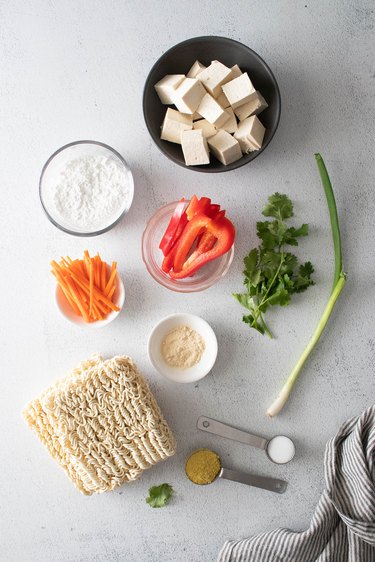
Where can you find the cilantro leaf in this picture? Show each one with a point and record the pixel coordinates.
(244, 299)
(296, 232)
(275, 234)
(272, 274)
(249, 319)
(272, 233)
(289, 263)
(159, 496)
(303, 279)
(270, 262)
(278, 206)
(252, 273)
(281, 297)
(306, 269)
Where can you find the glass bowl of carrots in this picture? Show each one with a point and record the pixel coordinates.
(89, 291)
(202, 279)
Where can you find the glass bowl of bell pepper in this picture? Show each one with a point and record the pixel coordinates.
(187, 246)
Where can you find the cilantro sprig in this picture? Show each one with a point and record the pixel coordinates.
(272, 274)
(159, 496)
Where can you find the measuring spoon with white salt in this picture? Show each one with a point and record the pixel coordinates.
(280, 449)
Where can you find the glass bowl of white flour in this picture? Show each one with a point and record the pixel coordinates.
(85, 188)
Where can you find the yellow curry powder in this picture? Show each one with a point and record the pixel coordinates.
(203, 466)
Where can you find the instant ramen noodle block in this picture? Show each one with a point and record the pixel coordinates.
(101, 424)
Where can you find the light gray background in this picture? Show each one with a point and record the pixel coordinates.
(75, 69)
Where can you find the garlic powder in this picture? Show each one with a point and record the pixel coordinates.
(182, 347)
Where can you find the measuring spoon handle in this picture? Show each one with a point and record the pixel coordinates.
(264, 482)
(224, 430)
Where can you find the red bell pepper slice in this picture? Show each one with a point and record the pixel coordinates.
(214, 213)
(192, 206)
(167, 263)
(180, 228)
(204, 205)
(191, 231)
(168, 260)
(212, 210)
(197, 206)
(206, 242)
(222, 229)
(219, 215)
(178, 219)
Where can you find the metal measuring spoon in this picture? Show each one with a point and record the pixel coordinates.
(266, 483)
(280, 449)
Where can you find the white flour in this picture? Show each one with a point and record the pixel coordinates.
(92, 192)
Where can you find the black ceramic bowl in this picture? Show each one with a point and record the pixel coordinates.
(179, 59)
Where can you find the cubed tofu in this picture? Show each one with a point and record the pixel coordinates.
(239, 90)
(207, 128)
(250, 134)
(173, 125)
(236, 71)
(224, 147)
(214, 76)
(254, 106)
(188, 95)
(223, 100)
(212, 111)
(195, 69)
(230, 124)
(166, 87)
(195, 148)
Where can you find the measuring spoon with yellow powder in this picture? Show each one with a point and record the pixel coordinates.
(204, 466)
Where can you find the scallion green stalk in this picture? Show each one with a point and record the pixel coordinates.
(338, 285)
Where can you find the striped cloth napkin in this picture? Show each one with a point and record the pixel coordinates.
(343, 525)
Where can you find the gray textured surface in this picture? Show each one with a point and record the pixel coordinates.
(74, 70)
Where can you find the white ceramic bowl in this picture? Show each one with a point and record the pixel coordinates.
(68, 313)
(199, 370)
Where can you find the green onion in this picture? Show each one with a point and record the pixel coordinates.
(338, 285)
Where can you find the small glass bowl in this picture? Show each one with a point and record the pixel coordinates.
(55, 165)
(205, 277)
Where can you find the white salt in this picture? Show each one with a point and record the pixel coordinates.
(281, 449)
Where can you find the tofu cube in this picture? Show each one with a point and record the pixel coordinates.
(195, 148)
(239, 90)
(207, 128)
(166, 87)
(254, 106)
(214, 76)
(173, 125)
(188, 95)
(223, 100)
(212, 111)
(195, 69)
(196, 116)
(236, 71)
(230, 124)
(250, 134)
(225, 147)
